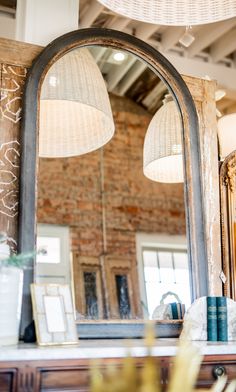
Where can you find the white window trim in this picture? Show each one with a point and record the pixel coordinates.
(147, 240)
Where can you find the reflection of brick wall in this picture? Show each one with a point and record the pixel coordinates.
(70, 193)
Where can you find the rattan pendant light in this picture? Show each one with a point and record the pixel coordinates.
(174, 12)
(75, 112)
(162, 152)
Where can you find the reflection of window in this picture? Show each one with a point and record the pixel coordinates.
(165, 270)
(90, 288)
(163, 267)
(123, 296)
(48, 249)
(53, 263)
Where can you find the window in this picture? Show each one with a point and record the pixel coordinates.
(163, 267)
(53, 265)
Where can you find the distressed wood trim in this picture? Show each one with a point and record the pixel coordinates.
(18, 53)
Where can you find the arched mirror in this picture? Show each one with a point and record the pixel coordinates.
(120, 235)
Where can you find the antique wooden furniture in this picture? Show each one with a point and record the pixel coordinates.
(73, 374)
(228, 222)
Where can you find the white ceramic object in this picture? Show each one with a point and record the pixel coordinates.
(195, 320)
(11, 284)
(162, 312)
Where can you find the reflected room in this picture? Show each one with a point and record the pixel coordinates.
(111, 223)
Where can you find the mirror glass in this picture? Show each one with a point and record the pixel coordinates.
(117, 237)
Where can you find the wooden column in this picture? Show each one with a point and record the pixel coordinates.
(203, 92)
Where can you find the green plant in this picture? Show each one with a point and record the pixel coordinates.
(15, 260)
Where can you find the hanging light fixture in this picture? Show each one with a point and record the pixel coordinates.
(187, 38)
(227, 134)
(162, 153)
(75, 111)
(174, 12)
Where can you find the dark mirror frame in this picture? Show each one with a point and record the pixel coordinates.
(195, 225)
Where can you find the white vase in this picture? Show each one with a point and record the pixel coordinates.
(11, 285)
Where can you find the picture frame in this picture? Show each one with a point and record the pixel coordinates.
(53, 314)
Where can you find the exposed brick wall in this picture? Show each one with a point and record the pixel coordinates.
(70, 193)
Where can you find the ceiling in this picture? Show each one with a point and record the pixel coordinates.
(212, 54)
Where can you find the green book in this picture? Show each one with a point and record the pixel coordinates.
(211, 319)
(222, 319)
(174, 310)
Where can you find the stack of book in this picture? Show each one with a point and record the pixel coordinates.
(217, 320)
(177, 310)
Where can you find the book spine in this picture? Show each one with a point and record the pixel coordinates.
(174, 310)
(211, 319)
(222, 319)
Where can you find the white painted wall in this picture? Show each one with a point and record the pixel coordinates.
(41, 21)
(7, 26)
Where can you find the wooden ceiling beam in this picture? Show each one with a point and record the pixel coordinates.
(115, 76)
(131, 76)
(90, 14)
(145, 30)
(171, 37)
(117, 23)
(224, 46)
(209, 34)
(153, 98)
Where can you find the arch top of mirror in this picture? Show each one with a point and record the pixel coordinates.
(110, 215)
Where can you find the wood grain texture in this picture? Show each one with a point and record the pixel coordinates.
(18, 53)
(210, 181)
(203, 92)
(11, 90)
(74, 374)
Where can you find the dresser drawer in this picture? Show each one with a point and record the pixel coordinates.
(209, 372)
(64, 379)
(7, 380)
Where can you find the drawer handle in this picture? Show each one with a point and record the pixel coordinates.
(218, 371)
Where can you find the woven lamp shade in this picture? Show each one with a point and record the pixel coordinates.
(174, 12)
(75, 111)
(162, 153)
(227, 134)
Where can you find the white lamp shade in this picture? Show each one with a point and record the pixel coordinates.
(227, 134)
(75, 111)
(174, 12)
(162, 153)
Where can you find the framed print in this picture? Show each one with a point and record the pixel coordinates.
(53, 314)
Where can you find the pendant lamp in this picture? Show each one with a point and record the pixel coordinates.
(227, 134)
(75, 111)
(162, 153)
(174, 12)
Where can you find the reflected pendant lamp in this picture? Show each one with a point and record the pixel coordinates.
(227, 134)
(75, 111)
(162, 152)
(174, 12)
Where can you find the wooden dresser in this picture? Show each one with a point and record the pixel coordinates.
(31, 369)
